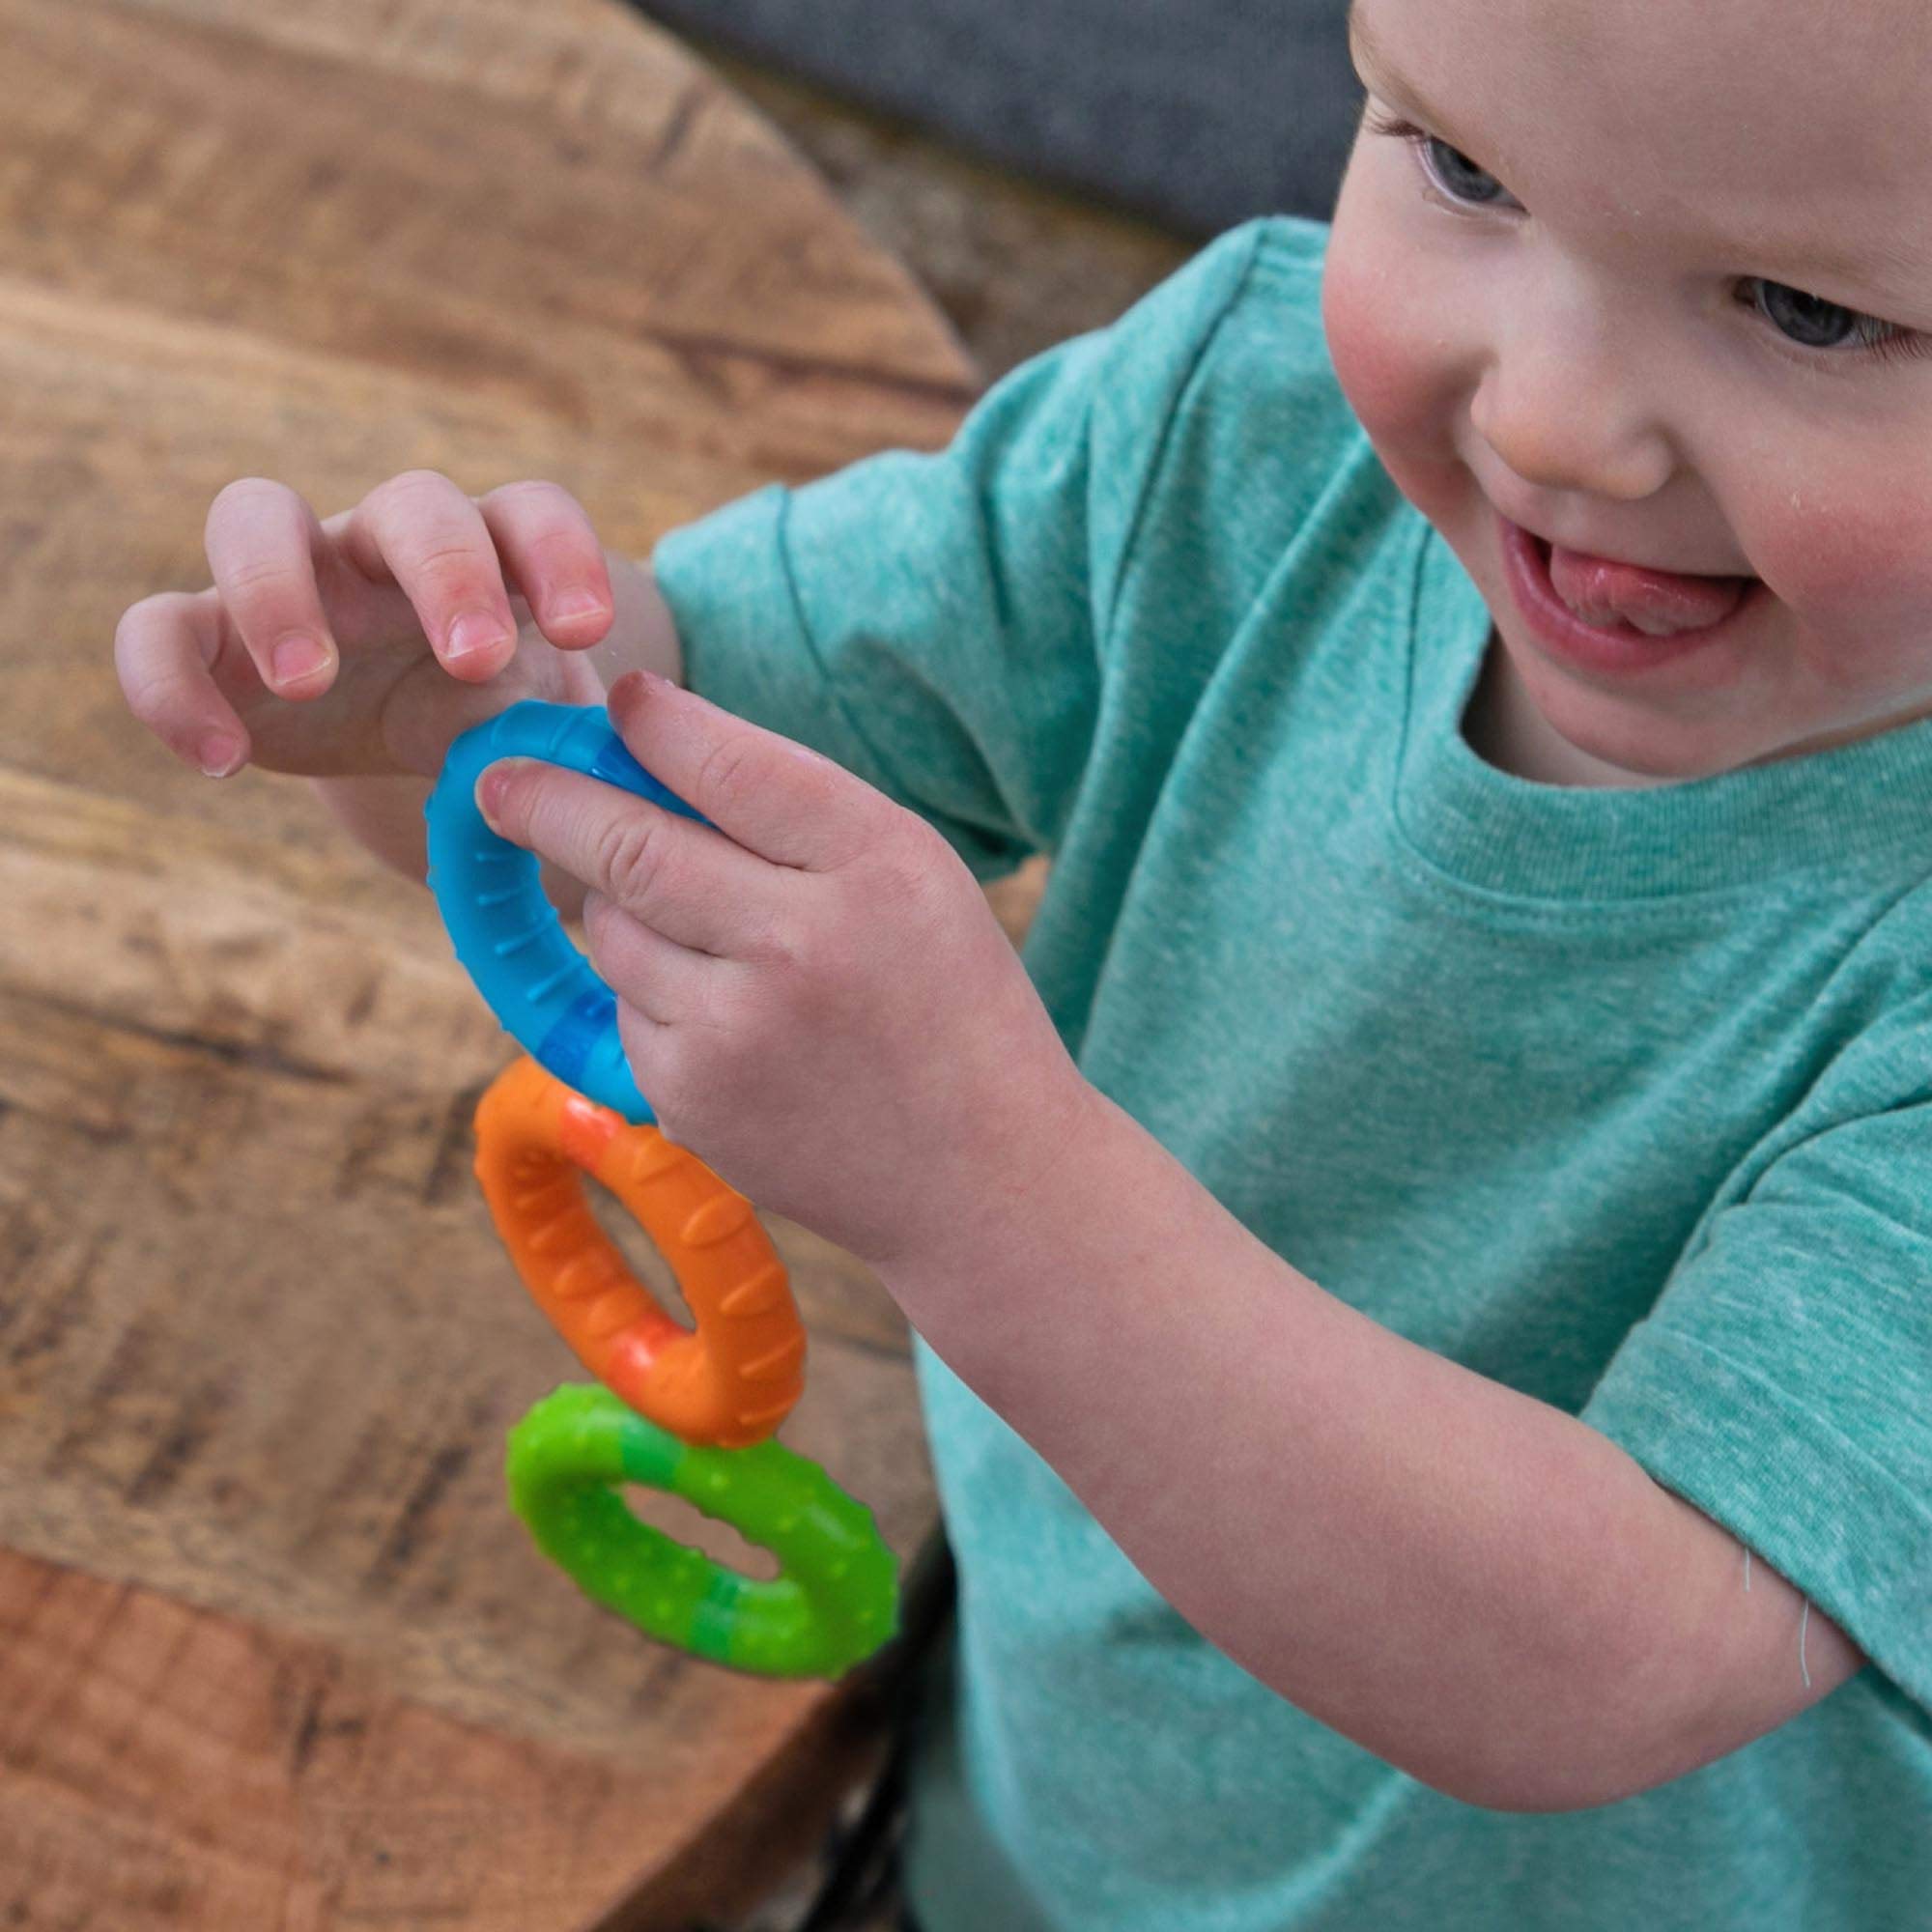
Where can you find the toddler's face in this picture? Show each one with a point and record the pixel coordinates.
(1624, 294)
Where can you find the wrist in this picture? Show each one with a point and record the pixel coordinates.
(643, 633)
(969, 1251)
(385, 816)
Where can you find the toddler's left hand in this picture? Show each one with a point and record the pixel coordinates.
(815, 997)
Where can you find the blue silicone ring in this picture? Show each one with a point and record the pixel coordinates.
(507, 935)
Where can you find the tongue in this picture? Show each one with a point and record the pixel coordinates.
(1660, 603)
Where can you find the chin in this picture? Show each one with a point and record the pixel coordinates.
(1625, 740)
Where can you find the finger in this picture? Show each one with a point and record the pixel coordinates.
(765, 792)
(162, 648)
(551, 553)
(263, 541)
(419, 529)
(656, 975)
(680, 878)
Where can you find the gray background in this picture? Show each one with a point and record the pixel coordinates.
(1199, 113)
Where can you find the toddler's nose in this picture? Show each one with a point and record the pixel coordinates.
(1564, 426)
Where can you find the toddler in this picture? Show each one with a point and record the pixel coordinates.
(1424, 1275)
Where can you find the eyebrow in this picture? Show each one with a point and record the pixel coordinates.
(1368, 51)
(1909, 296)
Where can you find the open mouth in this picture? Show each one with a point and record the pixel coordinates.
(1651, 600)
(1582, 625)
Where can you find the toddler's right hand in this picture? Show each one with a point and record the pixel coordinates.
(364, 645)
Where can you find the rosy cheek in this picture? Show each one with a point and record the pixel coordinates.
(1851, 561)
(1845, 561)
(1381, 367)
(1392, 369)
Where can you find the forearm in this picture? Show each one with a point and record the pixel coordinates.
(642, 634)
(386, 813)
(385, 816)
(1472, 1583)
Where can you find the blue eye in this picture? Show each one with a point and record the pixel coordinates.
(1456, 175)
(1803, 322)
(1448, 169)
(1809, 319)
(1810, 322)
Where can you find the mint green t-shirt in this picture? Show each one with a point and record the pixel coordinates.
(1622, 1098)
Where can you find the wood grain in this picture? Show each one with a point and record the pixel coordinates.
(273, 1652)
(167, 1766)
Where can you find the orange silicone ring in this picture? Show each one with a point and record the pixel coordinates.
(732, 1382)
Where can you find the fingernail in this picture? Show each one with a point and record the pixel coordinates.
(664, 690)
(217, 754)
(473, 632)
(578, 603)
(494, 782)
(297, 658)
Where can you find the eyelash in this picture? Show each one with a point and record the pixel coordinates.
(1899, 345)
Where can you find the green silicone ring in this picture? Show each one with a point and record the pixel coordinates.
(833, 1603)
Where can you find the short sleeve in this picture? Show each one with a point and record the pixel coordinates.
(1784, 1381)
(934, 620)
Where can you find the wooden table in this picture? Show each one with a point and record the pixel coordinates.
(273, 1652)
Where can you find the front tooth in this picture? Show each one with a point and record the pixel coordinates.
(1655, 627)
(1609, 620)
(1591, 614)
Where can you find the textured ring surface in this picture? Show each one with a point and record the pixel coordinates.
(507, 935)
(735, 1378)
(833, 1603)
